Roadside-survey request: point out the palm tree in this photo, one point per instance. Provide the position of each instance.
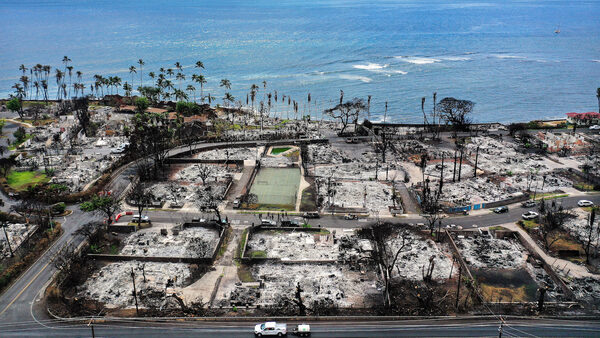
(132, 71)
(127, 89)
(253, 90)
(152, 75)
(225, 83)
(598, 96)
(180, 95)
(170, 72)
(36, 84)
(45, 89)
(180, 77)
(201, 80)
(190, 89)
(25, 80)
(141, 63)
(70, 69)
(227, 99)
(117, 81)
(178, 66)
(199, 64)
(210, 98)
(23, 68)
(59, 75)
(18, 90)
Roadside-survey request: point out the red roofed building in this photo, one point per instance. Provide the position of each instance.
(583, 119)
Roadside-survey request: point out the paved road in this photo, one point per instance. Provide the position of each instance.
(485, 218)
(425, 328)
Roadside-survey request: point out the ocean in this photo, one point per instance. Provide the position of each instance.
(503, 55)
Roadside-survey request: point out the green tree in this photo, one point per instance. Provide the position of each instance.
(141, 105)
(16, 106)
(104, 204)
(20, 134)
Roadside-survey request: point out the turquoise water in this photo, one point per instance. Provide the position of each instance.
(503, 55)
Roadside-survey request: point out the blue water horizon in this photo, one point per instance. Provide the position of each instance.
(503, 55)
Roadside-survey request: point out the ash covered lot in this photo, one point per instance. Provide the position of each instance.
(188, 242)
(112, 283)
(339, 283)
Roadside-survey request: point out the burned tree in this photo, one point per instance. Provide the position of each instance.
(430, 205)
(592, 234)
(387, 254)
(552, 217)
(81, 112)
(204, 171)
(141, 199)
(208, 199)
(347, 112)
(151, 136)
(456, 112)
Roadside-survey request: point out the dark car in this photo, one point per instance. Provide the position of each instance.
(528, 204)
(290, 223)
(500, 210)
(311, 215)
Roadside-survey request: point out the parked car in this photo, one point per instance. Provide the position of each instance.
(268, 222)
(350, 216)
(311, 215)
(530, 215)
(236, 203)
(585, 203)
(528, 204)
(501, 210)
(290, 223)
(142, 219)
(302, 330)
(595, 127)
(270, 329)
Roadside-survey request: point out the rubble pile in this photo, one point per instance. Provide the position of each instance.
(586, 289)
(556, 141)
(541, 278)
(190, 173)
(326, 154)
(434, 171)
(344, 286)
(537, 183)
(190, 242)
(234, 154)
(501, 157)
(16, 233)
(294, 245)
(275, 161)
(351, 194)
(356, 171)
(112, 284)
(579, 227)
(413, 261)
(487, 252)
(476, 190)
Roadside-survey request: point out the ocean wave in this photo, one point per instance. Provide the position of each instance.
(370, 66)
(595, 60)
(505, 56)
(418, 60)
(456, 58)
(356, 77)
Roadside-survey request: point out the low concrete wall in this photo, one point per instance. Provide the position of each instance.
(180, 160)
(121, 258)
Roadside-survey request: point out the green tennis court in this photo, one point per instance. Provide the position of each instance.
(276, 186)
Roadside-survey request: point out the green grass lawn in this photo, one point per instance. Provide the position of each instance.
(16, 143)
(277, 151)
(20, 180)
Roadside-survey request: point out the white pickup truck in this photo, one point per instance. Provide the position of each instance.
(270, 329)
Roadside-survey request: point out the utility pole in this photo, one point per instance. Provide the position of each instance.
(91, 325)
(458, 288)
(442, 175)
(460, 164)
(500, 330)
(137, 311)
(454, 171)
(7, 241)
(476, 160)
